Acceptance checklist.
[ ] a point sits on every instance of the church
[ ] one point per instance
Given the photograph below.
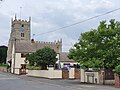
(20, 44)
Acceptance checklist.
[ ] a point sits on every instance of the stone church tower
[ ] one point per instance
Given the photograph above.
(20, 32)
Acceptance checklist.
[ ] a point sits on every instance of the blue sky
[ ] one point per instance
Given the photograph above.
(49, 15)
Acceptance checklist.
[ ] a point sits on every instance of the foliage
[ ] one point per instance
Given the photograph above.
(29, 67)
(3, 54)
(117, 69)
(31, 58)
(98, 48)
(4, 65)
(42, 57)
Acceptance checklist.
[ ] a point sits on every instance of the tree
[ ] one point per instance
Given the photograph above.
(43, 57)
(117, 69)
(3, 54)
(99, 48)
(31, 58)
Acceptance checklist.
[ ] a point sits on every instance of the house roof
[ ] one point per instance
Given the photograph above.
(64, 58)
(28, 47)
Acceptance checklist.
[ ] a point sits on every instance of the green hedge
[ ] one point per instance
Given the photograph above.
(5, 65)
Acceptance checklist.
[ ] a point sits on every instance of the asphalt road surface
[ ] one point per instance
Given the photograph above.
(16, 82)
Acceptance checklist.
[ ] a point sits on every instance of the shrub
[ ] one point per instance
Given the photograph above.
(117, 69)
(33, 67)
(4, 65)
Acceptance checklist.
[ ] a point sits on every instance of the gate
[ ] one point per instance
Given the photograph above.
(65, 74)
(23, 69)
(109, 74)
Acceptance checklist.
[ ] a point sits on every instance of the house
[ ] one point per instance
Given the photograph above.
(65, 61)
(20, 44)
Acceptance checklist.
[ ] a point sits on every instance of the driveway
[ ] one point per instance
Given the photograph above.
(16, 82)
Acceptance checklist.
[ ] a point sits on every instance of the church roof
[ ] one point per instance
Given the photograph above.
(64, 58)
(28, 47)
(24, 47)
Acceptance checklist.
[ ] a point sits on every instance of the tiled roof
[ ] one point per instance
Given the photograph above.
(25, 47)
(64, 58)
(28, 47)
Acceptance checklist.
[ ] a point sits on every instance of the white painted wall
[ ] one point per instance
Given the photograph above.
(96, 75)
(84, 76)
(72, 73)
(82, 72)
(13, 59)
(46, 73)
(55, 74)
(17, 70)
(38, 73)
(17, 60)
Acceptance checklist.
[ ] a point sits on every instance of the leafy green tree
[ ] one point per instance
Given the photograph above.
(117, 69)
(43, 57)
(3, 54)
(31, 58)
(99, 48)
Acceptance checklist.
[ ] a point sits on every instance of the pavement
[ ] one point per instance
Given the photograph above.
(15, 82)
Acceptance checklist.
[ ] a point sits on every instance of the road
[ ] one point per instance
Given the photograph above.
(16, 82)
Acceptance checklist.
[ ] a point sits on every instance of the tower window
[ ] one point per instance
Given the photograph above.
(22, 34)
(22, 25)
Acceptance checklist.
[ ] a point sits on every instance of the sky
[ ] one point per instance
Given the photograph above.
(47, 15)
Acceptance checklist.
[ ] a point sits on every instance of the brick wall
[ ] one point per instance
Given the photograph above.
(117, 80)
(77, 74)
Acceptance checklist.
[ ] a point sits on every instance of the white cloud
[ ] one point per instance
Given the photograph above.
(49, 15)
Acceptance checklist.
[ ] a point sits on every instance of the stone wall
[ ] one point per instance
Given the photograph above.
(52, 74)
(2, 68)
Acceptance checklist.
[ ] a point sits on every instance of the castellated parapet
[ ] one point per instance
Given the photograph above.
(59, 42)
(14, 21)
(56, 45)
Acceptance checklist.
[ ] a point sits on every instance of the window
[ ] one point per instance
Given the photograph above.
(22, 34)
(22, 25)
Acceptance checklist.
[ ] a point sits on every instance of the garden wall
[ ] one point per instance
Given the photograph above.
(3, 68)
(52, 74)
